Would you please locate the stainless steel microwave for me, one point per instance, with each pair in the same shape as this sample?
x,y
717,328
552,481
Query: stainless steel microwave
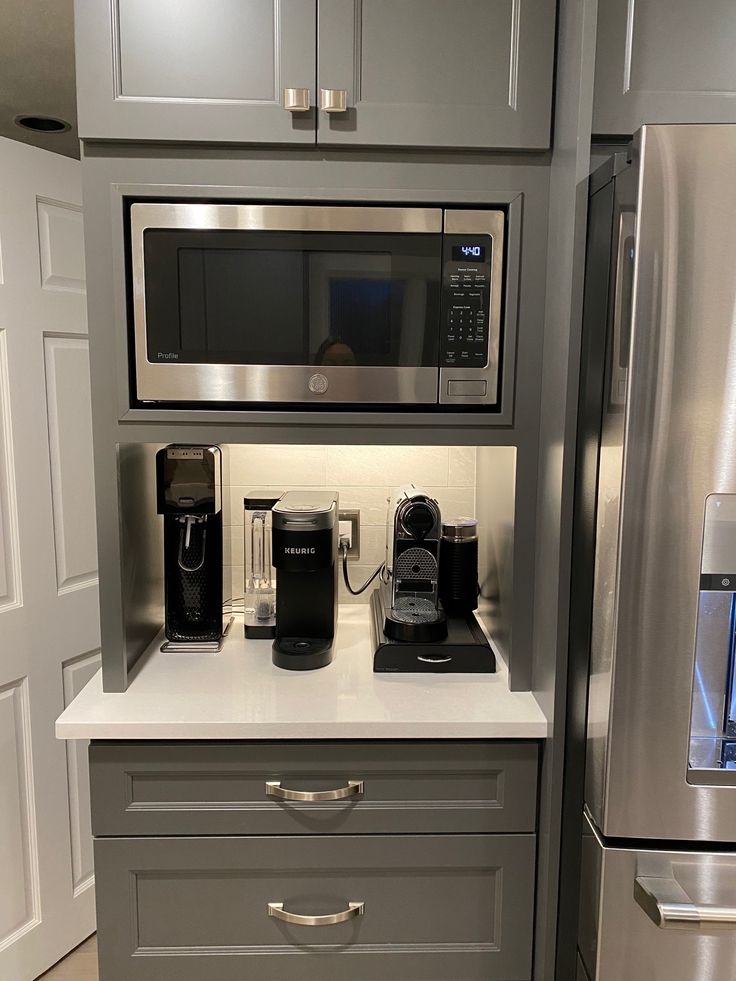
x,y
262,304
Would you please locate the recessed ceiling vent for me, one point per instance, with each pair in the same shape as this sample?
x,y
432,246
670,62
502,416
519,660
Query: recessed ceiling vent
x,y
42,124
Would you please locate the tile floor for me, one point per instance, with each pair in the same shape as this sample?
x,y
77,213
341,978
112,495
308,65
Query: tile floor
x,y
79,965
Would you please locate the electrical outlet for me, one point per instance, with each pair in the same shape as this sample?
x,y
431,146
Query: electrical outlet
x,y
351,517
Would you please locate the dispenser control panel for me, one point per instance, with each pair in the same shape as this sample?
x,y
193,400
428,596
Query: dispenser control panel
x,y
466,291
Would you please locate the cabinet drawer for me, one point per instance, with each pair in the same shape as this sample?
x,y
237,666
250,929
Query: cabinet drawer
x,y
221,788
434,907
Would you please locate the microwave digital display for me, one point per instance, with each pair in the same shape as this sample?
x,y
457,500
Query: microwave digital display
x,y
469,253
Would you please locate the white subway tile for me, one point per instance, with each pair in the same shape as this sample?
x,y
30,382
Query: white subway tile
x,y
454,502
232,545
269,465
462,467
372,502
235,577
372,545
383,466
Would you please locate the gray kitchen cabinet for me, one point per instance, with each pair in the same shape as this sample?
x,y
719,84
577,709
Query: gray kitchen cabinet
x,y
427,73
438,844
194,70
664,61
434,907
435,73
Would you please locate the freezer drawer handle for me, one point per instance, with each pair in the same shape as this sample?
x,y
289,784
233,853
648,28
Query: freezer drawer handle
x,y
668,906
353,910
353,789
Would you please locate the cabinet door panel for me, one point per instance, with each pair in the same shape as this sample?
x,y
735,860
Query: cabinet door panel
x,y
434,907
220,788
664,61
194,69
466,73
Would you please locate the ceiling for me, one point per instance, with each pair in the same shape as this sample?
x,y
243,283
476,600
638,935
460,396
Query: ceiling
x,y
37,70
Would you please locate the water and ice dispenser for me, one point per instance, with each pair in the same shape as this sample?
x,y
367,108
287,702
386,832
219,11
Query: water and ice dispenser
x,y
713,717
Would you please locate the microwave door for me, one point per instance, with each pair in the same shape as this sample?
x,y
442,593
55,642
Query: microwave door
x,y
239,304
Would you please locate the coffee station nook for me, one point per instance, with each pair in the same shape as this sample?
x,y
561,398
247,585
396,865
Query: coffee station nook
x,y
335,765
329,394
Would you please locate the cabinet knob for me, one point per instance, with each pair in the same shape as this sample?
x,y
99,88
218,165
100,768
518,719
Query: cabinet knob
x,y
296,100
333,100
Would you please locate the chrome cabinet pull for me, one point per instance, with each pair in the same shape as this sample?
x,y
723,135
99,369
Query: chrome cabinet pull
x,y
333,100
353,910
353,789
296,100
668,905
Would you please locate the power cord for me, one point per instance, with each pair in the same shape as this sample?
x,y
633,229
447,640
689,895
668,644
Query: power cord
x,y
361,589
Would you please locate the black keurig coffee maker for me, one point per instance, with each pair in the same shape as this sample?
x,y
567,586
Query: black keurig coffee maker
x,y
189,496
305,532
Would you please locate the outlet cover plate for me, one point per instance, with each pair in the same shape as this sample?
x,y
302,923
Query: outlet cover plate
x,y
353,516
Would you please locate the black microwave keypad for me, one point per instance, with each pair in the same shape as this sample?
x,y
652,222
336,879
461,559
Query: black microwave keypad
x,y
466,290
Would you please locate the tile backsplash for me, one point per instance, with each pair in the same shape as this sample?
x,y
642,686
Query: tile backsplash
x,y
364,477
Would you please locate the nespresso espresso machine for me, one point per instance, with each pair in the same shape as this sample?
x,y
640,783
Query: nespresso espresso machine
x,y
410,629
413,538
305,534
189,496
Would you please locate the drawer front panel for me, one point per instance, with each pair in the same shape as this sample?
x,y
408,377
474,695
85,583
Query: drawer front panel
x,y
435,907
216,788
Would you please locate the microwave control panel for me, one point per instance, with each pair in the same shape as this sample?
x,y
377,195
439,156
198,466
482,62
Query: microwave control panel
x,y
466,289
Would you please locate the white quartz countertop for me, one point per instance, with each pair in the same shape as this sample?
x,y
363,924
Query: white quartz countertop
x,y
240,694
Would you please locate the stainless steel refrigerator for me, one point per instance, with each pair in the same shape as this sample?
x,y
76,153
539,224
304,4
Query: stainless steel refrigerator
x,y
656,501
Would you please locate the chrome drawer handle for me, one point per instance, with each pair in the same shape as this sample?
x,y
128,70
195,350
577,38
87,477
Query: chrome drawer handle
x,y
353,789
333,100
353,910
296,100
668,905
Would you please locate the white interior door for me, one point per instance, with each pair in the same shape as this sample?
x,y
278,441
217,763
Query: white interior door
x,y
49,619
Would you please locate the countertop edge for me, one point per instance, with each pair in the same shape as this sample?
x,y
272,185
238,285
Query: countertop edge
x,y
162,732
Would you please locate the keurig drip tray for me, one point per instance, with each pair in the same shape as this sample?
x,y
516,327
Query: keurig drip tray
x,y
464,650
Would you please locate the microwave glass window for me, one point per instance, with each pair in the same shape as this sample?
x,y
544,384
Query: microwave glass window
x,y
240,297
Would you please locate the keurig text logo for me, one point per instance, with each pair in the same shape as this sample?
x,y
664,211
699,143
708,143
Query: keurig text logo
x,y
300,551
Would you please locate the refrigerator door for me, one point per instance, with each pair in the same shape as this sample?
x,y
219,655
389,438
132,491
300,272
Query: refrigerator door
x,y
691,895
668,444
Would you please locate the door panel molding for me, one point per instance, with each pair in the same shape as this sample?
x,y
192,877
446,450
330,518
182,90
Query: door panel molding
x,y
76,672
69,414
16,730
10,565
61,246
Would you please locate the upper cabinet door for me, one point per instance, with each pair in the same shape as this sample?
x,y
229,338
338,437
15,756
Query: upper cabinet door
x,y
195,70
436,73
664,61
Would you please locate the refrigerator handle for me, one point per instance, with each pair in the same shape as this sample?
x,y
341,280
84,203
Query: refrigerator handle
x,y
668,906
622,307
